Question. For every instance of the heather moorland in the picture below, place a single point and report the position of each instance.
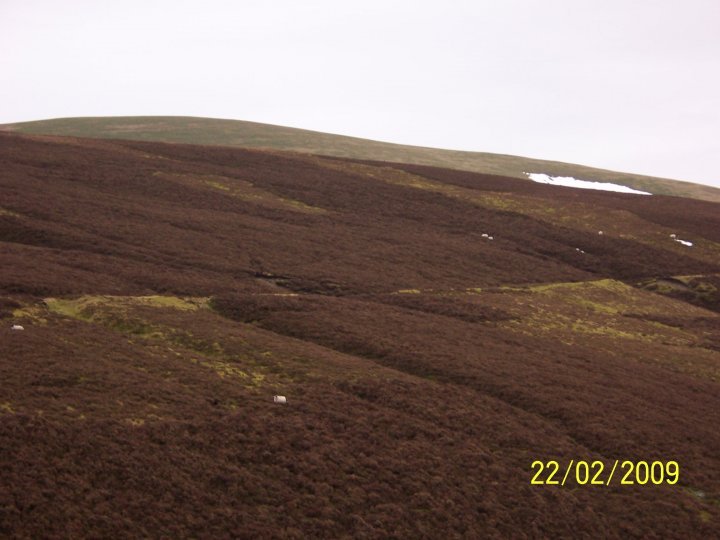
(434, 331)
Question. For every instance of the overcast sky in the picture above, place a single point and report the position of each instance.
(630, 85)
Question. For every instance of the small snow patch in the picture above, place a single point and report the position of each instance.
(673, 236)
(684, 242)
(569, 181)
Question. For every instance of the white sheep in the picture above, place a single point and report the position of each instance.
(16, 327)
(279, 399)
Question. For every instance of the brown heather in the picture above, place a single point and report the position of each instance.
(169, 291)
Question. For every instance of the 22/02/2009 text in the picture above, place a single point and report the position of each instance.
(596, 473)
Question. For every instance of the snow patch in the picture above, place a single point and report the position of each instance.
(569, 181)
(683, 242)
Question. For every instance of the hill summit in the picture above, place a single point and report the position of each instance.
(210, 131)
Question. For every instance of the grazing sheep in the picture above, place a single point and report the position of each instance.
(279, 399)
(16, 327)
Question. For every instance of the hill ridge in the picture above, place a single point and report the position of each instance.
(248, 134)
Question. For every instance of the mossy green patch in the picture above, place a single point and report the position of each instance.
(8, 212)
(602, 308)
(606, 284)
(597, 306)
(705, 288)
(83, 307)
(6, 408)
(117, 313)
(299, 205)
(35, 314)
(217, 185)
(243, 190)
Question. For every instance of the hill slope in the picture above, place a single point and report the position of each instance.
(169, 291)
(254, 135)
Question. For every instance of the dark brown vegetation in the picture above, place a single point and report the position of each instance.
(168, 292)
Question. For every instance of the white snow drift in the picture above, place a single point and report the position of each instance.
(683, 242)
(569, 181)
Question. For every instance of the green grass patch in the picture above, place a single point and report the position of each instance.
(7, 212)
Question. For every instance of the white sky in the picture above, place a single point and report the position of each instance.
(630, 85)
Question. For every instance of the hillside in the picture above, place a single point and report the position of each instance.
(210, 131)
(169, 291)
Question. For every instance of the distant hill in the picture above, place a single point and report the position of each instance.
(209, 131)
